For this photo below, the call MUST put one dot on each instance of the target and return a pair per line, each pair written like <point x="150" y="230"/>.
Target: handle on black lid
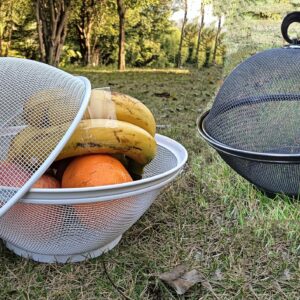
<point x="287" y="21"/>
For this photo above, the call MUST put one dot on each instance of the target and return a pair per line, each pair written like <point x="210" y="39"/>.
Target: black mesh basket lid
<point x="257" y="109"/>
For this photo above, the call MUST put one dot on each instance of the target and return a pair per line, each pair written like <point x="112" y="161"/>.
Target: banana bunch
<point x="117" y="125"/>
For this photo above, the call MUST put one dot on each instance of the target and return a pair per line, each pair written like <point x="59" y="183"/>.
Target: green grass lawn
<point x="245" y="245"/>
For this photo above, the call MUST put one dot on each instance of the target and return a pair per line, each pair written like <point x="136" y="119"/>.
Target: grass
<point x="245" y="245"/>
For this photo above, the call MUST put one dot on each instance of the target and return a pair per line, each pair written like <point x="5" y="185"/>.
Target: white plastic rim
<point x="41" y="170"/>
<point x="112" y="192"/>
<point x="44" y="258"/>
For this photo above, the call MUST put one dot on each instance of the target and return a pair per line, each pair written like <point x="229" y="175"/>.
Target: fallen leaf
<point x="163" y="94"/>
<point x="181" y="280"/>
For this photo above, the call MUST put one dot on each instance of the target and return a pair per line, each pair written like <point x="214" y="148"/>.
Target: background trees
<point x="52" y="23"/>
<point x="140" y="33"/>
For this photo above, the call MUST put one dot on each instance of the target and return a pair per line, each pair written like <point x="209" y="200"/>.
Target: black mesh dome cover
<point x="254" y="122"/>
<point x="258" y="107"/>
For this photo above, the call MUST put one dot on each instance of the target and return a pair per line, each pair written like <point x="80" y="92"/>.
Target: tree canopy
<point x="139" y="33"/>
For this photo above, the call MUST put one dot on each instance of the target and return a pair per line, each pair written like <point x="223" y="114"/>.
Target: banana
<point x="90" y="136"/>
<point x="121" y="107"/>
<point x="48" y="108"/>
<point x="25" y="148"/>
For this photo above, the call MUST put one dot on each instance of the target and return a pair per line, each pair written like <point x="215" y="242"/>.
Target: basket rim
<point x="115" y="190"/>
<point x="251" y="155"/>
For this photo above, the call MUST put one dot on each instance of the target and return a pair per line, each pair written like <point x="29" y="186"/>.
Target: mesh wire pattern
<point x="38" y="104"/>
<point x="254" y="122"/>
<point x="55" y="230"/>
<point x="273" y="178"/>
<point x="258" y="106"/>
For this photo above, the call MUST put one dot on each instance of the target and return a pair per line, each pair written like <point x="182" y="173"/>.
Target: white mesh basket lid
<point x="40" y="108"/>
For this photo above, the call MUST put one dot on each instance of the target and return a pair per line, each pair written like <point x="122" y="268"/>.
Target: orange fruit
<point x="12" y="174"/>
<point x="94" y="170"/>
<point x="27" y="223"/>
<point x="46" y="182"/>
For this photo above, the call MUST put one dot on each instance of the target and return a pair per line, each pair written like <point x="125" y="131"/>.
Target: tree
<point x="121" y="13"/>
<point x="201" y="25"/>
<point x="179" y="58"/>
<point x="190" y="35"/>
<point x="208" y="35"/>
<point x="52" y="20"/>
<point x="145" y="34"/>
<point x="217" y="39"/>
<point x="88" y="18"/>
<point x="6" y="26"/>
<point x="219" y="9"/>
<point x="252" y="26"/>
<point x="13" y="15"/>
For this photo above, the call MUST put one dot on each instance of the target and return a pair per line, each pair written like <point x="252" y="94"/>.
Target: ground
<point x="245" y="245"/>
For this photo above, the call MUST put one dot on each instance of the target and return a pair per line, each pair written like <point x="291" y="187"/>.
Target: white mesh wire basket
<point x="40" y="107"/>
<point x="68" y="225"/>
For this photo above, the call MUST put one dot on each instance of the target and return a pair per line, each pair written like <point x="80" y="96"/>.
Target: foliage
<point x="17" y="28"/>
<point x="52" y="18"/>
<point x="254" y="25"/>
<point x="152" y="38"/>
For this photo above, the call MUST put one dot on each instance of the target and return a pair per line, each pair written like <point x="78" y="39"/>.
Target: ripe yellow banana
<point x="110" y="136"/>
<point x="47" y="108"/>
<point x="121" y="107"/>
<point x="90" y="136"/>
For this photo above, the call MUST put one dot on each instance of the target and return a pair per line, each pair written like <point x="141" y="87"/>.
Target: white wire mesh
<point x="56" y="230"/>
<point x="38" y="104"/>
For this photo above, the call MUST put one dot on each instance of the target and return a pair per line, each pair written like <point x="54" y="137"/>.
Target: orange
<point x="46" y="182"/>
<point x="94" y="170"/>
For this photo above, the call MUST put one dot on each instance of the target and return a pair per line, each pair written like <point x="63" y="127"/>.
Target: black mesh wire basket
<point x="254" y="123"/>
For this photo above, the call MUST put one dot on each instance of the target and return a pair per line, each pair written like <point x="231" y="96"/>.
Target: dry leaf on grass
<point x="163" y="94"/>
<point x="180" y="279"/>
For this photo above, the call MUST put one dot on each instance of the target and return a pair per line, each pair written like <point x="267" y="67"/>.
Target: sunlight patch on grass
<point x="83" y="70"/>
<point x="246" y="205"/>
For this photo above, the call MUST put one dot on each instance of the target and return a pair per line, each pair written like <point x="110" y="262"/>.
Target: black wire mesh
<point x="257" y="110"/>
<point x="273" y="178"/>
<point x="258" y="107"/>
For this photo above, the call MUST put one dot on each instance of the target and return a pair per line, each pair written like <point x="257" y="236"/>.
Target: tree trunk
<point x="95" y="56"/>
<point x="88" y="54"/>
<point x="81" y="39"/>
<point x="121" y="56"/>
<point x="202" y="6"/>
<point x="60" y="46"/>
<point x="179" y="56"/>
<point x="8" y="44"/>
<point x="0" y="45"/>
<point x="207" y="56"/>
<point x="217" y="40"/>
<point x="95" y="52"/>
<point x="9" y="29"/>
<point x="88" y="11"/>
<point x="52" y="17"/>
<point x="40" y="32"/>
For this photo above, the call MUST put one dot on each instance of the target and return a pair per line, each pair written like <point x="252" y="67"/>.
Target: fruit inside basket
<point x="105" y="177"/>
